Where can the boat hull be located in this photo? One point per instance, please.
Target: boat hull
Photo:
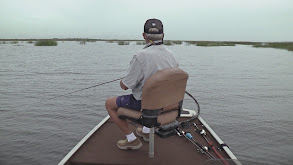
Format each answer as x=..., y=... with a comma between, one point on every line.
x=99, y=147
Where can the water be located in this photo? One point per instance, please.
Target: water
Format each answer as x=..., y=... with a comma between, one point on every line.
x=245, y=95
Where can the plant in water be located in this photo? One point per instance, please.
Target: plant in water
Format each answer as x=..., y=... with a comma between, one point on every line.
x=167, y=42
x=46, y=43
x=190, y=42
x=177, y=42
x=140, y=42
x=82, y=42
x=214, y=43
x=123, y=42
x=13, y=42
x=279, y=45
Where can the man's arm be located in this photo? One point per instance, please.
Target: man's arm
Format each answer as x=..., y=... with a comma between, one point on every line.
x=134, y=75
x=123, y=86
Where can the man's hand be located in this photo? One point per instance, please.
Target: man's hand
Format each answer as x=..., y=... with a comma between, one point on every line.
x=123, y=86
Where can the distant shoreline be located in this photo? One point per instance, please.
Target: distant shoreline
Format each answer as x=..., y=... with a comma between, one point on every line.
x=65, y=39
x=92, y=39
x=278, y=45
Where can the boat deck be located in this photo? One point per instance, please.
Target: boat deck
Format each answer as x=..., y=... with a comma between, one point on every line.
x=101, y=148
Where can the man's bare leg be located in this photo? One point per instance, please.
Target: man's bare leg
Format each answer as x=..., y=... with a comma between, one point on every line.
x=112, y=108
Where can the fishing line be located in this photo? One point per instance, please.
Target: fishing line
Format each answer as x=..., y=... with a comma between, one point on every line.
x=85, y=88
x=198, y=108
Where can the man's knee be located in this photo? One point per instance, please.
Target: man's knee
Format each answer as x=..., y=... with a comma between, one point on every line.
x=111, y=103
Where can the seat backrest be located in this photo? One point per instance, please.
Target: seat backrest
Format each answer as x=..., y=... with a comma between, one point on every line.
x=164, y=88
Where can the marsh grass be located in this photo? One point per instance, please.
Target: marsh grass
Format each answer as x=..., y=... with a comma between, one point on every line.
x=13, y=42
x=53, y=42
x=190, y=42
x=123, y=42
x=168, y=42
x=214, y=43
x=89, y=40
x=278, y=45
x=46, y=43
x=82, y=42
x=9, y=42
x=177, y=42
x=140, y=43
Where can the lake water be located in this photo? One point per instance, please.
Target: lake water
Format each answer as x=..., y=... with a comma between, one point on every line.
x=245, y=94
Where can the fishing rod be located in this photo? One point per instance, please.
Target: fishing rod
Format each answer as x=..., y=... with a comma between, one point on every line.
x=85, y=88
x=200, y=148
x=203, y=133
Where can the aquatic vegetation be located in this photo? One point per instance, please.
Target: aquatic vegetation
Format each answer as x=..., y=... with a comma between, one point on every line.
x=53, y=42
x=279, y=45
x=123, y=42
x=9, y=42
x=140, y=42
x=214, y=43
x=89, y=40
x=190, y=42
x=243, y=43
x=167, y=42
x=177, y=42
x=82, y=42
x=46, y=43
x=13, y=42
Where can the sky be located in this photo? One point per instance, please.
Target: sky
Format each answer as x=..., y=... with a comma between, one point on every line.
x=197, y=20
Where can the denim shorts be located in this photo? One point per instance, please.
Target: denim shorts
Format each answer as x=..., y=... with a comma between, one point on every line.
x=128, y=101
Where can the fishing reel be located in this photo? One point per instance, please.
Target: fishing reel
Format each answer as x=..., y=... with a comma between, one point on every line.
x=200, y=131
x=200, y=148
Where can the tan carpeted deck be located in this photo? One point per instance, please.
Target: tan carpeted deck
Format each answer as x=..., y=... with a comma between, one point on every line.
x=101, y=148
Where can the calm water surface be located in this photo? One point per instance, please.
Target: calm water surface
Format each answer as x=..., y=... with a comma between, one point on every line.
x=245, y=93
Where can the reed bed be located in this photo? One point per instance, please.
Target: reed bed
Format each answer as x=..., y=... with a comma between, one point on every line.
x=140, y=43
x=13, y=42
x=177, y=42
x=9, y=42
x=46, y=43
x=53, y=42
x=123, y=42
x=278, y=45
x=82, y=42
x=214, y=43
x=168, y=42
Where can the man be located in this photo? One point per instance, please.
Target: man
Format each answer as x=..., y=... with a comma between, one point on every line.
x=155, y=56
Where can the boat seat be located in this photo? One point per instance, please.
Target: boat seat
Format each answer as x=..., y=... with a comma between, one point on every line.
x=162, y=99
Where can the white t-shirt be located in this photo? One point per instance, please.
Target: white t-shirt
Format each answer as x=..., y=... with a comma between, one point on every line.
x=145, y=63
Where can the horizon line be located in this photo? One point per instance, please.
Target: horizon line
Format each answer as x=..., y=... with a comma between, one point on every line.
x=96, y=39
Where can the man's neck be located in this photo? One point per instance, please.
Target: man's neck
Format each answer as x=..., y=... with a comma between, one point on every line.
x=150, y=43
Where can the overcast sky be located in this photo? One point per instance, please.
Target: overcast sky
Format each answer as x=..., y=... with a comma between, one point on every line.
x=234, y=20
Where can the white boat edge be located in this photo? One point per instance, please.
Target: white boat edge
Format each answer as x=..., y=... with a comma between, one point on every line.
x=191, y=113
x=66, y=158
x=219, y=140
